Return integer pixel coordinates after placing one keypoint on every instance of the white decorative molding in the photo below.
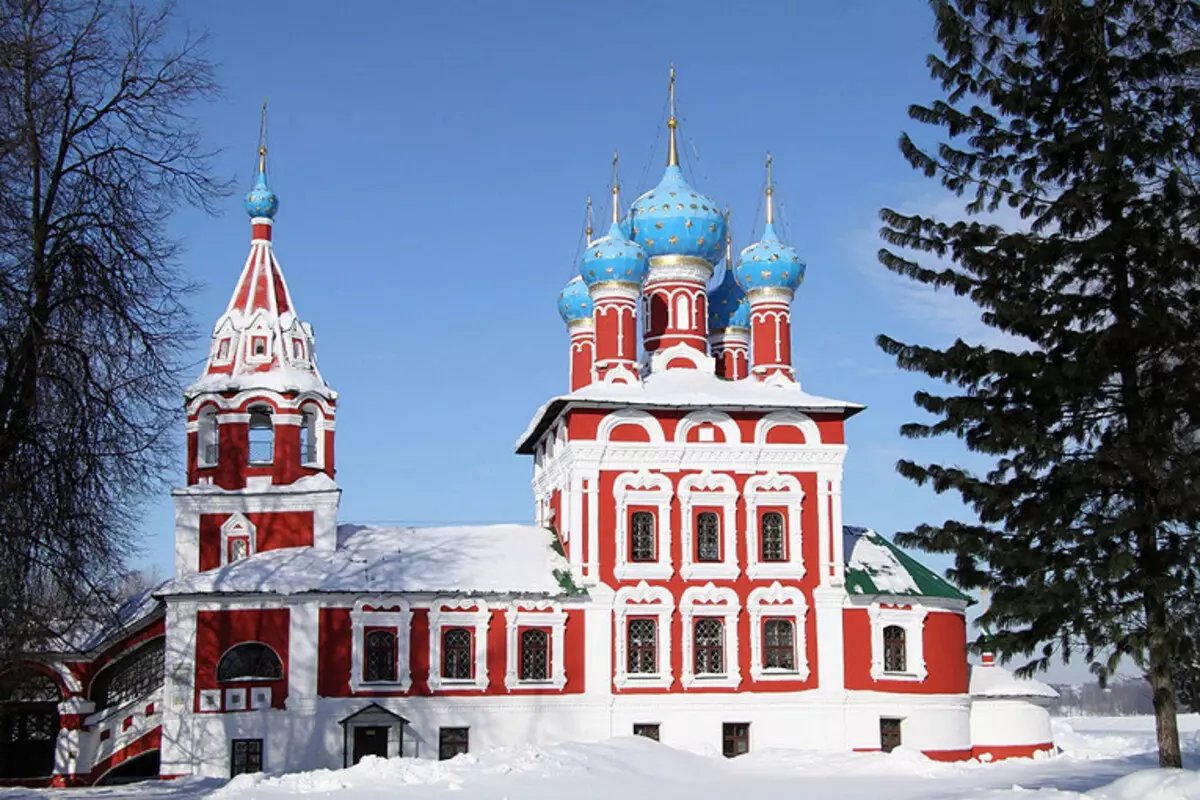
(629, 416)
(235, 699)
(719, 419)
(260, 697)
(710, 601)
(794, 419)
(774, 490)
(536, 614)
(778, 602)
(708, 490)
(643, 488)
(399, 619)
(643, 600)
(912, 621)
(238, 526)
(693, 353)
(477, 621)
(210, 700)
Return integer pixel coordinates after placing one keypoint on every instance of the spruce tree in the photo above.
(1081, 116)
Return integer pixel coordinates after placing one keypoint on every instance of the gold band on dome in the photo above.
(770, 293)
(676, 260)
(614, 285)
(582, 322)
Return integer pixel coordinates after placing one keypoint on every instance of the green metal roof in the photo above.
(879, 567)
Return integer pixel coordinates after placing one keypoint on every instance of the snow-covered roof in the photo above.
(875, 566)
(317, 482)
(101, 626)
(483, 559)
(993, 680)
(679, 388)
(280, 378)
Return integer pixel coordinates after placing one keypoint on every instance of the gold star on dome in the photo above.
(674, 240)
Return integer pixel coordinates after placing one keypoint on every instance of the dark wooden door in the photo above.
(370, 740)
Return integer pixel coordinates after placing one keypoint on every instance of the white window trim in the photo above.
(643, 488)
(318, 433)
(258, 330)
(774, 489)
(235, 699)
(237, 526)
(260, 697)
(711, 601)
(778, 602)
(401, 624)
(643, 600)
(912, 620)
(208, 431)
(536, 614)
(477, 621)
(708, 490)
(210, 700)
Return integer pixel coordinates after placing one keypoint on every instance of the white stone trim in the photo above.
(477, 621)
(317, 432)
(789, 418)
(400, 622)
(643, 600)
(210, 700)
(643, 488)
(235, 699)
(260, 697)
(774, 489)
(708, 489)
(629, 416)
(912, 620)
(693, 353)
(237, 526)
(777, 602)
(536, 614)
(711, 601)
(720, 419)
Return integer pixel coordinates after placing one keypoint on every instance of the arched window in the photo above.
(381, 657)
(133, 675)
(642, 646)
(262, 436)
(779, 644)
(894, 649)
(28, 686)
(29, 724)
(771, 530)
(641, 542)
(708, 537)
(535, 655)
(207, 438)
(458, 661)
(683, 314)
(252, 661)
(709, 646)
(309, 452)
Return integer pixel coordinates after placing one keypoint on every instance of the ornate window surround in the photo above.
(643, 600)
(912, 621)
(535, 614)
(237, 526)
(711, 601)
(777, 602)
(477, 621)
(643, 488)
(708, 490)
(774, 489)
(399, 620)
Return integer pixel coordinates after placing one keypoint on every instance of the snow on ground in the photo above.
(1103, 758)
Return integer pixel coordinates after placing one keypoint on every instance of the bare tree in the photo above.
(97, 148)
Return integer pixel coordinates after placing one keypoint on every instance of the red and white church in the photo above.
(688, 577)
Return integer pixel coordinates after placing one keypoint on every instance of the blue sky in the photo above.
(432, 162)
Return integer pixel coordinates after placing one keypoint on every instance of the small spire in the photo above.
(262, 140)
(672, 124)
(728, 241)
(616, 190)
(770, 194)
(588, 229)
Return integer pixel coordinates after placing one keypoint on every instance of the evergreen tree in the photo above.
(1082, 116)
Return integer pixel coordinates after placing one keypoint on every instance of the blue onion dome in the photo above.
(261, 201)
(573, 301)
(727, 305)
(675, 219)
(769, 264)
(613, 258)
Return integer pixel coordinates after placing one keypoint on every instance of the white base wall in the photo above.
(1009, 722)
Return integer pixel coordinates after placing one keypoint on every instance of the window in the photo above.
(735, 739)
(683, 317)
(647, 729)
(258, 346)
(535, 655)
(239, 548)
(223, 350)
(392, 616)
(130, 677)
(308, 437)
(381, 657)
(262, 436)
(247, 757)
(641, 543)
(298, 349)
(207, 438)
(708, 537)
(457, 659)
(779, 644)
(252, 661)
(452, 742)
(771, 539)
(894, 656)
(642, 646)
(889, 734)
(709, 646)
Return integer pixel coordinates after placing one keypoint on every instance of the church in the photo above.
(688, 575)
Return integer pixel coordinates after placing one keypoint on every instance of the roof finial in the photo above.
(728, 241)
(616, 212)
(588, 229)
(262, 140)
(770, 194)
(672, 124)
